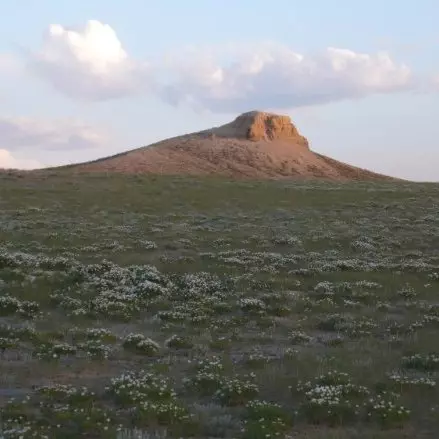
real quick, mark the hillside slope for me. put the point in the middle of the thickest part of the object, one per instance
(256, 145)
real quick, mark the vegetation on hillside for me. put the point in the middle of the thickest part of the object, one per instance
(156, 307)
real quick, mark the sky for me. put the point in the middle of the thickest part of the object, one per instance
(83, 80)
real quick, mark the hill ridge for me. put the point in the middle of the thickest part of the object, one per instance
(255, 145)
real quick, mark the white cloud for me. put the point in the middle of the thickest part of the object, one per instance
(274, 76)
(8, 161)
(26, 133)
(89, 63)
(9, 63)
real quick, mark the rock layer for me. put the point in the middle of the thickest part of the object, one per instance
(261, 126)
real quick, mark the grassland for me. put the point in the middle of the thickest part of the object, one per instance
(152, 307)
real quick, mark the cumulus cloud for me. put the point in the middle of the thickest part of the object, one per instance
(26, 133)
(89, 63)
(275, 76)
(8, 161)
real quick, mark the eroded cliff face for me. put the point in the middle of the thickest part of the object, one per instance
(260, 126)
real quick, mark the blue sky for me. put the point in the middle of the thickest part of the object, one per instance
(77, 91)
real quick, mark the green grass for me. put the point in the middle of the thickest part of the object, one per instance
(265, 309)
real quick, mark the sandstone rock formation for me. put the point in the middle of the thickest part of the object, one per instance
(257, 125)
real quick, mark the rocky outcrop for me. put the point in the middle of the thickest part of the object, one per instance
(260, 126)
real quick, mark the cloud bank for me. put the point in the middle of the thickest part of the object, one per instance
(49, 135)
(276, 76)
(91, 63)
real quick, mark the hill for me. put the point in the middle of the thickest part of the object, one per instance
(256, 145)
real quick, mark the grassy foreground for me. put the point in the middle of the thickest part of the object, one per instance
(153, 307)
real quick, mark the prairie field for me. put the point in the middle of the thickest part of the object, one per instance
(170, 307)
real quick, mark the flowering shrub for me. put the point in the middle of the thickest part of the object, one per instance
(205, 382)
(329, 404)
(140, 344)
(430, 320)
(114, 305)
(252, 305)
(54, 351)
(290, 352)
(333, 322)
(11, 305)
(172, 316)
(150, 398)
(162, 413)
(385, 411)
(407, 292)
(95, 349)
(286, 240)
(237, 391)
(220, 343)
(98, 334)
(63, 411)
(256, 359)
(426, 362)
(18, 332)
(402, 381)
(331, 399)
(8, 343)
(362, 327)
(265, 420)
(208, 377)
(133, 388)
(299, 337)
(179, 342)
(66, 394)
(148, 245)
(110, 291)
